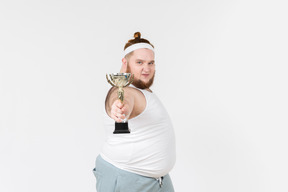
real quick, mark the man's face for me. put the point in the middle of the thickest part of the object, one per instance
(141, 64)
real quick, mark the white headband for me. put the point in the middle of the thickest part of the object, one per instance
(137, 46)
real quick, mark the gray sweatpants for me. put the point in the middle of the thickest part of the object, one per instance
(112, 179)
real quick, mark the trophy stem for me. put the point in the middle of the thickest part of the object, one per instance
(121, 94)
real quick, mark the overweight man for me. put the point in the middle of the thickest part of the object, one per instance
(141, 160)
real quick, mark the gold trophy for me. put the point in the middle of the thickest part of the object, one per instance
(120, 80)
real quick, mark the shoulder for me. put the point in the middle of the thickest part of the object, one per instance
(132, 91)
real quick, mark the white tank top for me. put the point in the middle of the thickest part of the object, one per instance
(149, 149)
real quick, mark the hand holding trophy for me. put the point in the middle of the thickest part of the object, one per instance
(120, 80)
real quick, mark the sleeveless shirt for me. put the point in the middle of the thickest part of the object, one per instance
(149, 149)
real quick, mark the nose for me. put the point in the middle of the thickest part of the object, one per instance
(147, 68)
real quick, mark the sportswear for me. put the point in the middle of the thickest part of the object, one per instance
(149, 150)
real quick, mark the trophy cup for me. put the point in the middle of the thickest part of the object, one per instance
(120, 80)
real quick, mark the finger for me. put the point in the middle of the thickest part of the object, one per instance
(116, 107)
(124, 109)
(116, 118)
(119, 104)
(118, 115)
(116, 110)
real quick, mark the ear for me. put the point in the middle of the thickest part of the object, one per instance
(124, 65)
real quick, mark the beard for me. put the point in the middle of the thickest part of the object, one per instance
(140, 84)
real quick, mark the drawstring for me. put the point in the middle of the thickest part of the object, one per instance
(160, 181)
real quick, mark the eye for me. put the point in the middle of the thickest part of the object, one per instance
(151, 63)
(139, 62)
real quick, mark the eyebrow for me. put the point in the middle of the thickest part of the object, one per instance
(144, 60)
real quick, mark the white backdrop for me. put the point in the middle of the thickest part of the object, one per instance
(221, 73)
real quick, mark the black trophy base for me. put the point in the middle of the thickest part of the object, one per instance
(121, 128)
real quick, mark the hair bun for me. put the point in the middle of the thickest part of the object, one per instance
(137, 35)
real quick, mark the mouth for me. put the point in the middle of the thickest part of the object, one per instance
(145, 75)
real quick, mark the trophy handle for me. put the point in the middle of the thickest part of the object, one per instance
(109, 81)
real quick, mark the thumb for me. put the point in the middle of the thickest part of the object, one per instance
(119, 104)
